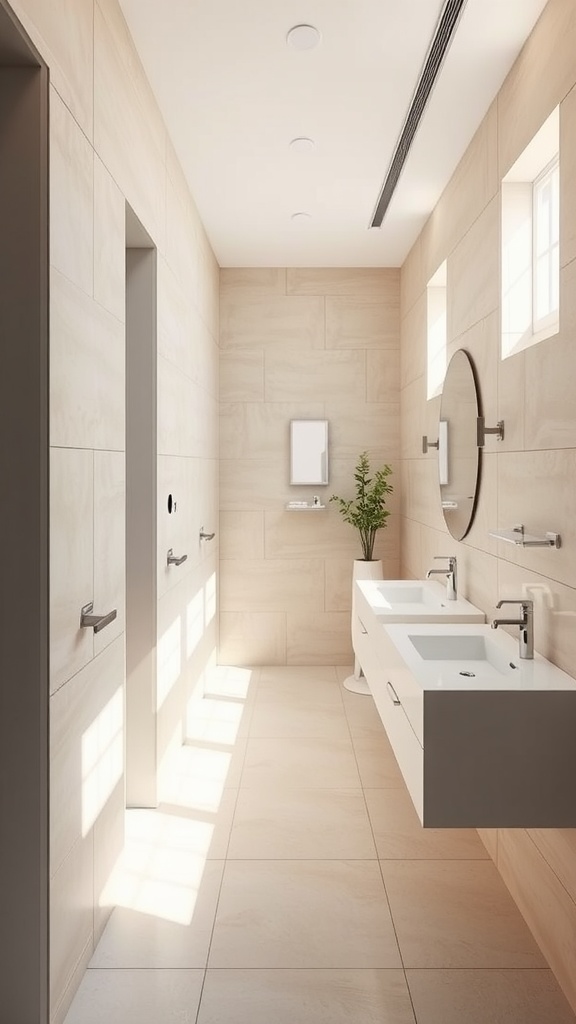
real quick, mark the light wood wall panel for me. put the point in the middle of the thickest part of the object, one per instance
(530, 476)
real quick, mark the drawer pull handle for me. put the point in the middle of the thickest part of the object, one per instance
(392, 693)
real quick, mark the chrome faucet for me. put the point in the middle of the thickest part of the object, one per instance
(450, 573)
(526, 624)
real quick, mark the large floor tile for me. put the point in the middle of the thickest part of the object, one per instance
(232, 681)
(377, 764)
(169, 921)
(296, 914)
(479, 997)
(298, 676)
(456, 914)
(305, 997)
(274, 718)
(218, 720)
(300, 762)
(399, 834)
(361, 712)
(301, 823)
(209, 814)
(201, 764)
(137, 997)
(298, 695)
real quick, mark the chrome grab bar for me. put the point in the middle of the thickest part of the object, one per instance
(392, 693)
(95, 622)
(172, 559)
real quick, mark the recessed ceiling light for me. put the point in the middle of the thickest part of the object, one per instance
(303, 37)
(301, 216)
(302, 145)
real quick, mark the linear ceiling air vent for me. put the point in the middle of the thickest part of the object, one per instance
(438, 48)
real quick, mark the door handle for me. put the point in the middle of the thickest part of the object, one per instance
(172, 559)
(95, 622)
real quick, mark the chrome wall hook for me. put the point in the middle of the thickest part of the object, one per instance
(206, 536)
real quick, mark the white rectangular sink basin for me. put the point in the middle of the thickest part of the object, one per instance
(477, 656)
(407, 593)
(414, 601)
(454, 656)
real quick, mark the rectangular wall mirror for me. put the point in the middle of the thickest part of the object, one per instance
(309, 451)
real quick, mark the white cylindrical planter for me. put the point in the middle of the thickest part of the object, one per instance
(362, 570)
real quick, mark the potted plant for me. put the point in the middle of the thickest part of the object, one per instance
(367, 511)
(368, 514)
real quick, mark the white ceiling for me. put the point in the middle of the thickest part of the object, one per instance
(233, 95)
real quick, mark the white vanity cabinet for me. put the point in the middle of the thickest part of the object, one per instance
(491, 748)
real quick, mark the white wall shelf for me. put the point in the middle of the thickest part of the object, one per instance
(304, 506)
(516, 535)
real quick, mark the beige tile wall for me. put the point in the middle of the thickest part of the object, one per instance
(108, 146)
(300, 344)
(531, 475)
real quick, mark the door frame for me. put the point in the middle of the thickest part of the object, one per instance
(24, 527)
(141, 516)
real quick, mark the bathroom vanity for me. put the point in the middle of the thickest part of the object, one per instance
(482, 737)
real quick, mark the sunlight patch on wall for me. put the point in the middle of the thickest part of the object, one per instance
(210, 599)
(169, 665)
(194, 623)
(102, 759)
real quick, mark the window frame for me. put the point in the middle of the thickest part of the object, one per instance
(546, 175)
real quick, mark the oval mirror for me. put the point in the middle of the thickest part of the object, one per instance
(458, 452)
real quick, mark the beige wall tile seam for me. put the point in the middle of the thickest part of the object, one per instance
(520, 565)
(447, 254)
(94, 158)
(167, 142)
(456, 339)
(79, 288)
(105, 309)
(70, 679)
(84, 448)
(89, 140)
(547, 863)
(503, 171)
(93, 70)
(550, 865)
(405, 310)
(55, 1011)
(564, 266)
(150, 96)
(472, 325)
(191, 380)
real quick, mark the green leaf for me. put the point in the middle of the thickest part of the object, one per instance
(366, 512)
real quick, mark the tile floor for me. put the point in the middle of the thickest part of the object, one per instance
(285, 879)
